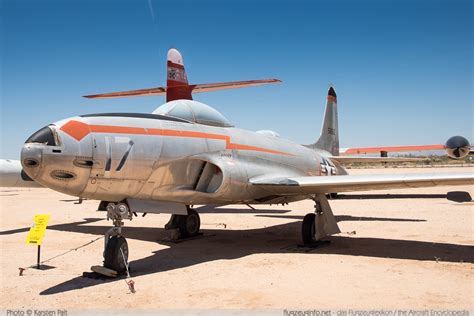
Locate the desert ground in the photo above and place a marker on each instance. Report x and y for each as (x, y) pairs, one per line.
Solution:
(398, 249)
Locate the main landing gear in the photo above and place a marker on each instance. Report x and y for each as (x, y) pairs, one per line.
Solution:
(187, 225)
(319, 224)
(115, 245)
(308, 229)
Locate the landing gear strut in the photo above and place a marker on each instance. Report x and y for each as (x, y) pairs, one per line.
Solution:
(115, 245)
(188, 225)
(319, 224)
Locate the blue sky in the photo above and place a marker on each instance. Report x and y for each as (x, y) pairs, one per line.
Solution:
(402, 69)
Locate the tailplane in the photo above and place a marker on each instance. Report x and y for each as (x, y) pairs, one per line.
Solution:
(177, 86)
(329, 139)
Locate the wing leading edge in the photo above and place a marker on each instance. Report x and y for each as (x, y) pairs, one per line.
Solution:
(349, 183)
(195, 88)
(355, 159)
(376, 150)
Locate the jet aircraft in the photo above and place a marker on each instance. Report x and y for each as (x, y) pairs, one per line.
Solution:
(186, 153)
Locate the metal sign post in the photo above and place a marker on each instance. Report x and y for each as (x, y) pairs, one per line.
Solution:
(38, 259)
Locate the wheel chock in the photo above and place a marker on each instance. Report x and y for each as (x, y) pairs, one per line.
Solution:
(104, 271)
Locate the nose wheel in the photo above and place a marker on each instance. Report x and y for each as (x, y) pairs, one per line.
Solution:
(116, 254)
(115, 245)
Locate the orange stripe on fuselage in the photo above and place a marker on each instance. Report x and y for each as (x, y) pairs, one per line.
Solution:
(79, 130)
(117, 129)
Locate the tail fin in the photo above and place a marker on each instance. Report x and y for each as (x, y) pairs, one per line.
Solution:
(329, 139)
(177, 86)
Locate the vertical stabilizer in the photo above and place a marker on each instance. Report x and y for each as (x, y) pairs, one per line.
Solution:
(329, 139)
(177, 86)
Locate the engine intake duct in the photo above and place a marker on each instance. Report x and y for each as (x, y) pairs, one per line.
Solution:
(209, 178)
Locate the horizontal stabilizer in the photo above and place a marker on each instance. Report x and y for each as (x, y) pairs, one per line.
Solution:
(130, 93)
(208, 87)
(196, 88)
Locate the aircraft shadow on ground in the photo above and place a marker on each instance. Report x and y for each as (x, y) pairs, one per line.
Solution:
(347, 218)
(455, 196)
(209, 209)
(219, 244)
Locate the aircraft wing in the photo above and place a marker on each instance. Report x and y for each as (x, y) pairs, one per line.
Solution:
(355, 159)
(196, 88)
(376, 150)
(349, 183)
(12, 175)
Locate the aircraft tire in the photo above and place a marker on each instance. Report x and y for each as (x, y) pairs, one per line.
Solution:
(308, 229)
(113, 258)
(190, 224)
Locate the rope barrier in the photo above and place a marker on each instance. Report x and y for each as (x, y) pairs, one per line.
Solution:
(60, 255)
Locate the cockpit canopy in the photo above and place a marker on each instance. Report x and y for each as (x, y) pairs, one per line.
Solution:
(193, 111)
(46, 136)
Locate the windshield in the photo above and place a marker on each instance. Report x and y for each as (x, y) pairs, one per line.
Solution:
(43, 136)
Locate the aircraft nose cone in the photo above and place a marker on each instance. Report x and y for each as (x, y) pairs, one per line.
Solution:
(31, 158)
(59, 156)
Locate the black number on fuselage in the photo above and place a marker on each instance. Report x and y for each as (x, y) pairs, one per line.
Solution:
(125, 156)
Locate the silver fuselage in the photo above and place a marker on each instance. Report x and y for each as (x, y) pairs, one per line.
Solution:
(148, 157)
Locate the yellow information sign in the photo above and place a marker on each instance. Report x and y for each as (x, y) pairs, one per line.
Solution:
(35, 236)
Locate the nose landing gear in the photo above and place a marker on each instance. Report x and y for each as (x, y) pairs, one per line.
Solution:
(116, 254)
(115, 245)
